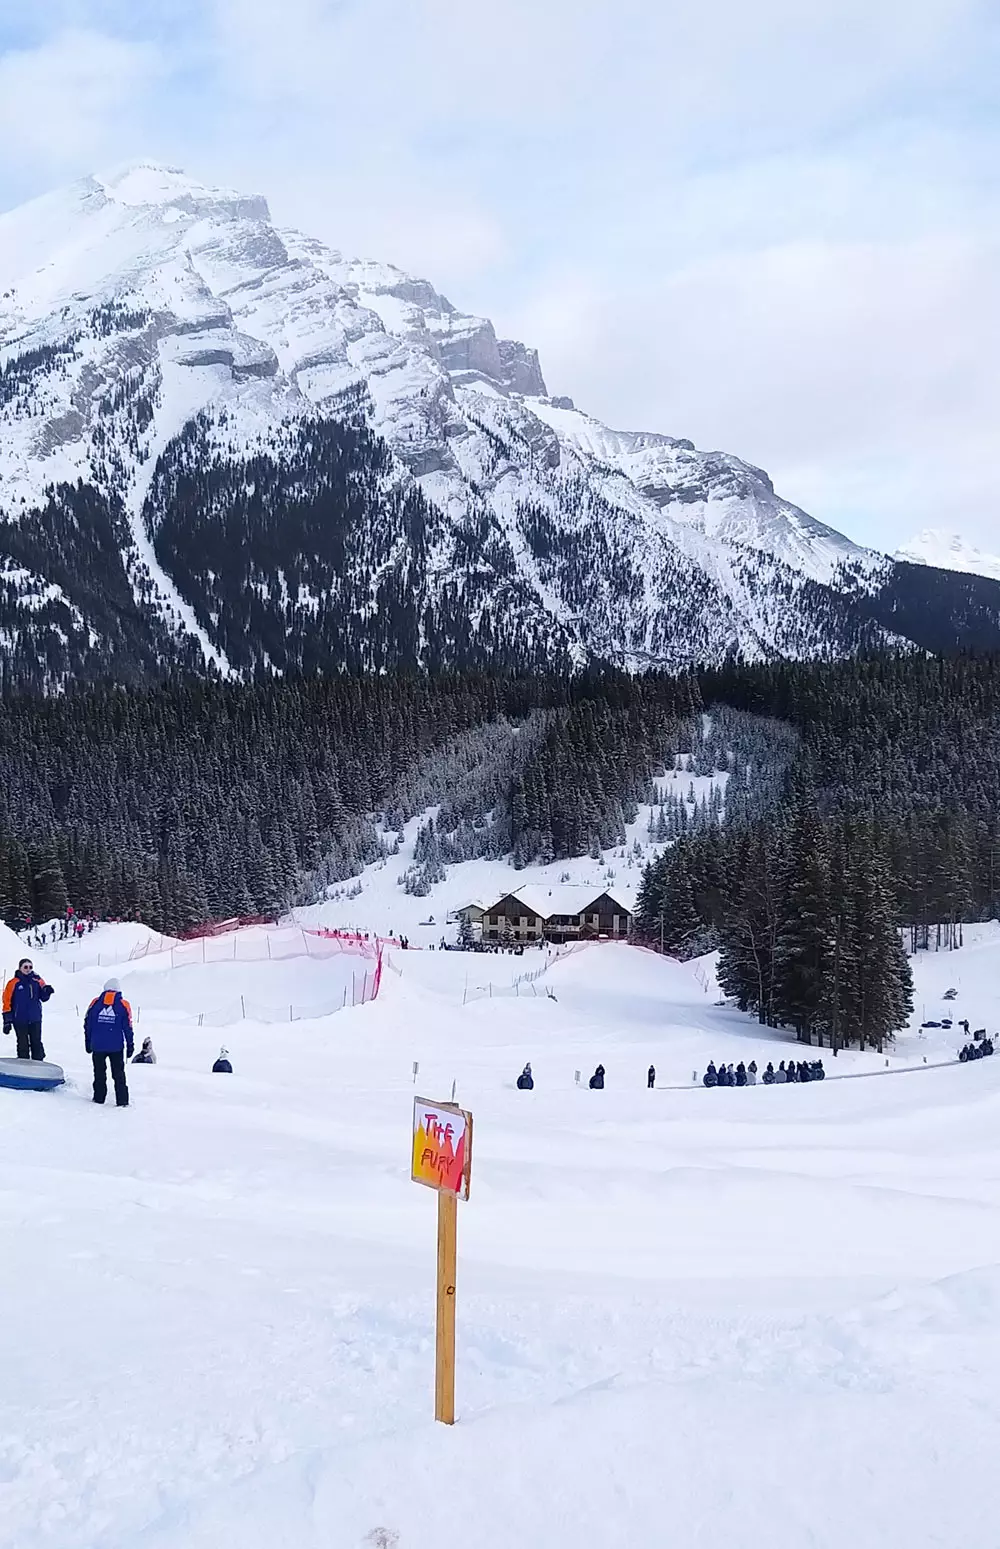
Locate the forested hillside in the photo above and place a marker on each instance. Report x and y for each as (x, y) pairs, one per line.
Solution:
(195, 799)
(891, 816)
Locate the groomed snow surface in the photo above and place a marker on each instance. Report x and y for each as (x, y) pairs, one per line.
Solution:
(741, 1319)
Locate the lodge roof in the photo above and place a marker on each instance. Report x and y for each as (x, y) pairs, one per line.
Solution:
(566, 898)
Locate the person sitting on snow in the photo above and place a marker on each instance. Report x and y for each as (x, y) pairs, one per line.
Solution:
(597, 1080)
(145, 1056)
(741, 1074)
(781, 1074)
(222, 1065)
(768, 1076)
(526, 1081)
(711, 1076)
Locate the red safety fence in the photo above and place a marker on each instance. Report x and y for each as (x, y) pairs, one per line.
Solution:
(271, 943)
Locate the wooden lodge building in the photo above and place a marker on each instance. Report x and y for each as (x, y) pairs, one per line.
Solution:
(556, 914)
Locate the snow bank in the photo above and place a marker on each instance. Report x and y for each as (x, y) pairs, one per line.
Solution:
(684, 1316)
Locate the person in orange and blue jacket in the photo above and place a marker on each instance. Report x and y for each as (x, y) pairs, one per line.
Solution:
(22, 1010)
(107, 1034)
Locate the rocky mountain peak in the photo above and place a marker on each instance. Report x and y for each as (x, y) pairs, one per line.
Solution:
(281, 455)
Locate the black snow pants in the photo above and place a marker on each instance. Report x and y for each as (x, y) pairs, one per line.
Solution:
(117, 1063)
(29, 1040)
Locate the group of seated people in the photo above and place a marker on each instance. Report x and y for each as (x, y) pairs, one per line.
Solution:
(147, 1056)
(746, 1075)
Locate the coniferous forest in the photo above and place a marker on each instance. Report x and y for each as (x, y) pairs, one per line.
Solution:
(863, 797)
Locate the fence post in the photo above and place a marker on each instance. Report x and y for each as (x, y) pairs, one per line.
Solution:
(243, 1008)
(290, 1017)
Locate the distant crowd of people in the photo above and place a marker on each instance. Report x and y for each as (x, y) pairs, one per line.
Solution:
(746, 1075)
(69, 928)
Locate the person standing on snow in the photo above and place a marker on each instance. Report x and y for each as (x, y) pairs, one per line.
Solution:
(22, 1010)
(651, 1077)
(107, 1034)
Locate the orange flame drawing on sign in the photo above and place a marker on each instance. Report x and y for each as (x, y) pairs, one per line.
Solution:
(437, 1158)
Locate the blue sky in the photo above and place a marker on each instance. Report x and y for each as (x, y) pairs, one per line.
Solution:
(772, 228)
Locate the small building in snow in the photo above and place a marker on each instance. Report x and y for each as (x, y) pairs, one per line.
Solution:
(558, 914)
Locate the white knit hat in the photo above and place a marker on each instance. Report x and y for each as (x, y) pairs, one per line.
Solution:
(112, 985)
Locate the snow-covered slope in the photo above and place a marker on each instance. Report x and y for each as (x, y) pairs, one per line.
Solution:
(758, 1317)
(949, 551)
(142, 313)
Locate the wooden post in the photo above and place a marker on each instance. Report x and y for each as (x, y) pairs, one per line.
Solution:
(447, 1251)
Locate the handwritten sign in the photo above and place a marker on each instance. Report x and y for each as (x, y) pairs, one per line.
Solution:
(442, 1146)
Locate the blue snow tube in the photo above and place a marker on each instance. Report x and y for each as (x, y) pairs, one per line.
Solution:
(31, 1075)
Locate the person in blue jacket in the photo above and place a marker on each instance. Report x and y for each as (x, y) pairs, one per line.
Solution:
(107, 1035)
(22, 1010)
(222, 1065)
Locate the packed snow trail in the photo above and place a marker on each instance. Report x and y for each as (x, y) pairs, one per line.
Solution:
(756, 1318)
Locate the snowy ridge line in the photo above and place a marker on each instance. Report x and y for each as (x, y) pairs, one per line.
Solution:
(243, 946)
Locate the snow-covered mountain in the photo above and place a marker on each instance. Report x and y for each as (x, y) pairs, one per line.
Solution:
(223, 443)
(949, 551)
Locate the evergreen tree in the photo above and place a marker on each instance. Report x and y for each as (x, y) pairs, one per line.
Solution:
(50, 899)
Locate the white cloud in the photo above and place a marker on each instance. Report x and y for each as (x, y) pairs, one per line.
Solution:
(858, 373)
(71, 99)
(772, 227)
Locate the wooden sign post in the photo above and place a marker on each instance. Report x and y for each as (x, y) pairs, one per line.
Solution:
(442, 1160)
(447, 1267)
